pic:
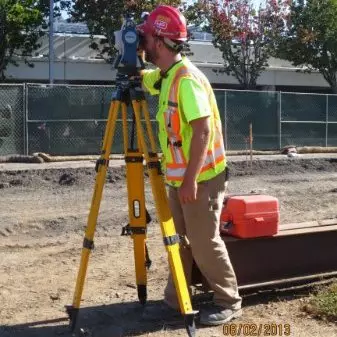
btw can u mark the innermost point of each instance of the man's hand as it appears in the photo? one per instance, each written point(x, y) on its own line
point(187, 192)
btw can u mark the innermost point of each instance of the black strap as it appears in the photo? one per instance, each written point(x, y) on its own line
point(89, 244)
point(128, 230)
point(101, 162)
point(173, 104)
point(158, 83)
point(155, 165)
point(171, 240)
point(148, 261)
point(176, 143)
point(134, 159)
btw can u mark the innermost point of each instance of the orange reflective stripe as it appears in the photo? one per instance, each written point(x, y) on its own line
point(174, 178)
point(175, 165)
point(212, 164)
point(175, 122)
point(177, 172)
point(172, 120)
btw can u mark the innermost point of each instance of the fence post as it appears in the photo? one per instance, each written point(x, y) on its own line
point(326, 120)
point(279, 119)
point(23, 149)
point(26, 119)
point(225, 119)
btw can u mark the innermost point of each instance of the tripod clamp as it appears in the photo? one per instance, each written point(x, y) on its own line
point(127, 230)
point(100, 162)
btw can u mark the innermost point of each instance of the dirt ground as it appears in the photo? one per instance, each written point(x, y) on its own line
point(43, 216)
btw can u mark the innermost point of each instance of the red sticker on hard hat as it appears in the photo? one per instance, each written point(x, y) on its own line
point(161, 22)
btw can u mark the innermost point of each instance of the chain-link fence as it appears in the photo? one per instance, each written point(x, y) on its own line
point(259, 108)
point(308, 119)
point(11, 119)
point(69, 120)
point(66, 120)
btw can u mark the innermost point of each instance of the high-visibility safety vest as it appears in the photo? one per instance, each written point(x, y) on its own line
point(175, 132)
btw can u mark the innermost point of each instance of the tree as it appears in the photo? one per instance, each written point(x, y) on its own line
point(22, 23)
point(244, 35)
point(103, 17)
point(311, 38)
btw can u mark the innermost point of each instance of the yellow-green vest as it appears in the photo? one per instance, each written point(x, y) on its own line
point(175, 142)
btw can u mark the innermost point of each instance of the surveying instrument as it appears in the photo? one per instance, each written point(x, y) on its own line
point(128, 92)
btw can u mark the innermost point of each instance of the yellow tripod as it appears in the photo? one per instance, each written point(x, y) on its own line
point(130, 91)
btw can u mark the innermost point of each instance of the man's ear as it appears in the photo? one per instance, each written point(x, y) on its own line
point(161, 43)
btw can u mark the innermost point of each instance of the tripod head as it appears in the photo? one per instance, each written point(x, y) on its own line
point(128, 61)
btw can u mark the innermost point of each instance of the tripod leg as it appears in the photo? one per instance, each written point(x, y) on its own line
point(88, 243)
point(137, 211)
point(171, 239)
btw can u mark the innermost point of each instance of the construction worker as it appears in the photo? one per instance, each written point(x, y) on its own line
point(191, 140)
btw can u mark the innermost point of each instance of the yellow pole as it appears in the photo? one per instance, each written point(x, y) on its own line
point(101, 168)
point(166, 220)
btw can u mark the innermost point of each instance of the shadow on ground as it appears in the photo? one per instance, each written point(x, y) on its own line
point(132, 319)
point(115, 320)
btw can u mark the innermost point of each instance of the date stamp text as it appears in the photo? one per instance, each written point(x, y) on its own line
point(252, 329)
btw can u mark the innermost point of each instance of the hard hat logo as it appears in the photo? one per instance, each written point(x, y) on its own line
point(158, 24)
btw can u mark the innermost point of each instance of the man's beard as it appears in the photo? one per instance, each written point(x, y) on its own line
point(151, 56)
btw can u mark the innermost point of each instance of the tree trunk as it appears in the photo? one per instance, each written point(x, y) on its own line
point(330, 76)
point(334, 88)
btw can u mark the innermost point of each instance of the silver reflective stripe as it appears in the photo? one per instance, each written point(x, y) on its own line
point(167, 118)
point(209, 159)
point(219, 152)
point(175, 172)
point(178, 155)
point(179, 172)
point(177, 151)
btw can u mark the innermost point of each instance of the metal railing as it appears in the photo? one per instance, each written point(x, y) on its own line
point(71, 119)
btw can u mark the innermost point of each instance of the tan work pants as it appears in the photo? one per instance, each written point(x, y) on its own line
point(199, 221)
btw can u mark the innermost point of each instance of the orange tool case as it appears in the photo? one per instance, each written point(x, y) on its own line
point(250, 216)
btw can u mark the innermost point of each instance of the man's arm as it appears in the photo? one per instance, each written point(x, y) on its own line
point(198, 152)
point(196, 109)
point(149, 78)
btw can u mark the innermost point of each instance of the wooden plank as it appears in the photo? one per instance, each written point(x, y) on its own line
point(299, 231)
point(308, 224)
point(289, 281)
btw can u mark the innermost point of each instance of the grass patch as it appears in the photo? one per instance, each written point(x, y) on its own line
point(323, 303)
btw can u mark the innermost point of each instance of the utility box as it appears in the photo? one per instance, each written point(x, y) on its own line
point(250, 216)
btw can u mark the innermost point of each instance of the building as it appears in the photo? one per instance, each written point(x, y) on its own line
point(76, 63)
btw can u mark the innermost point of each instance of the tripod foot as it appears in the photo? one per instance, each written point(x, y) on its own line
point(142, 293)
point(190, 324)
point(72, 314)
